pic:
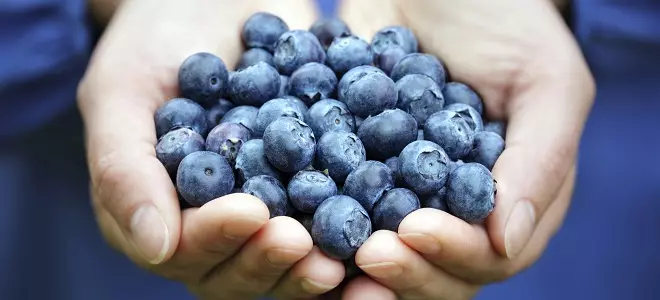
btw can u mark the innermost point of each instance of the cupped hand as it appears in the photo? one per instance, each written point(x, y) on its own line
point(227, 249)
point(522, 59)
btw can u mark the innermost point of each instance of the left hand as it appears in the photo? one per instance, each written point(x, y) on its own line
point(521, 58)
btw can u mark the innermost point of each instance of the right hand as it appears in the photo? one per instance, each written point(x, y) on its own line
point(227, 249)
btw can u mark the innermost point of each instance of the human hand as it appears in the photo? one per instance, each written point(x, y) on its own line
point(227, 249)
point(521, 58)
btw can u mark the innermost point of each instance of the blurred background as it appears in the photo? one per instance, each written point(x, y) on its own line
point(50, 248)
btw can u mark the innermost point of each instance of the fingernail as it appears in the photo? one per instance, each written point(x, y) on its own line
point(315, 288)
point(421, 242)
point(243, 228)
point(150, 234)
point(282, 258)
point(385, 270)
point(519, 228)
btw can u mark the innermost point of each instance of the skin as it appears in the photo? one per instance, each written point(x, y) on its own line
point(545, 98)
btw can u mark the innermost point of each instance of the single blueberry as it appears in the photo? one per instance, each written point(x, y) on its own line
point(339, 152)
point(296, 48)
point(289, 144)
point(244, 115)
point(277, 108)
point(392, 208)
point(254, 85)
point(368, 182)
point(253, 56)
point(394, 36)
point(203, 78)
point(419, 96)
point(175, 145)
point(436, 200)
point(327, 29)
point(388, 58)
point(217, 111)
point(340, 226)
point(487, 148)
point(393, 164)
point(347, 52)
point(328, 115)
point(262, 29)
point(497, 127)
point(312, 82)
point(271, 191)
point(307, 189)
point(358, 122)
point(424, 166)
point(284, 83)
point(386, 134)
point(203, 176)
point(251, 161)
point(305, 220)
point(471, 192)
point(351, 76)
point(451, 131)
point(420, 63)
point(180, 113)
point(369, 93)
point(227, 139)
point(468, 113)
point(420, 134)
point(456, 92)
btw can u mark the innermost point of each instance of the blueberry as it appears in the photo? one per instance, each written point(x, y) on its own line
point(368, 182)
point(347, 52)
point(289, 144)
point(451, 131)
point(328, 115)
point(203, 176)
point(307, 189)
point(369, 93)
point(175, 145)
point(386, 134)
point(497, 127)
point(180, 113)
point(471, 192)
point(253, 56)
point(262, 29)
point(254, 85)
point(358, 122)
point(456, 92)
point(455, 164)
point(436, 200)
point(271, 191)
point(424, 166)
point(203, 78)
point(244, 115)
point(393, 164)
point(419, 96)
point(469, 114)
point(340, 226)
point(339, 152)
point(486, 149)
point(351, 76)
point(284, 83)
point(394, 36)
point(327, 29)
point(277, 108)
point(312, 82)
point(296, 48)
point(305, 220)
point(227, 139)
point(217, 111)
point(420, 134)
point(392, 208)
point(420, 63)
point(251, 161)
point(388, 58)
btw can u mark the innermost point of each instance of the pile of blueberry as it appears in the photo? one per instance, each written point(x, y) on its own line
point(346, 136)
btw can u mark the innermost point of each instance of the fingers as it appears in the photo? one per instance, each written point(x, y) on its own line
point(314, 275)
point(464, 250)
point(260, 264)
point(389, 261)
point(359, 16)
point(298, 14)
point(364, 287)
